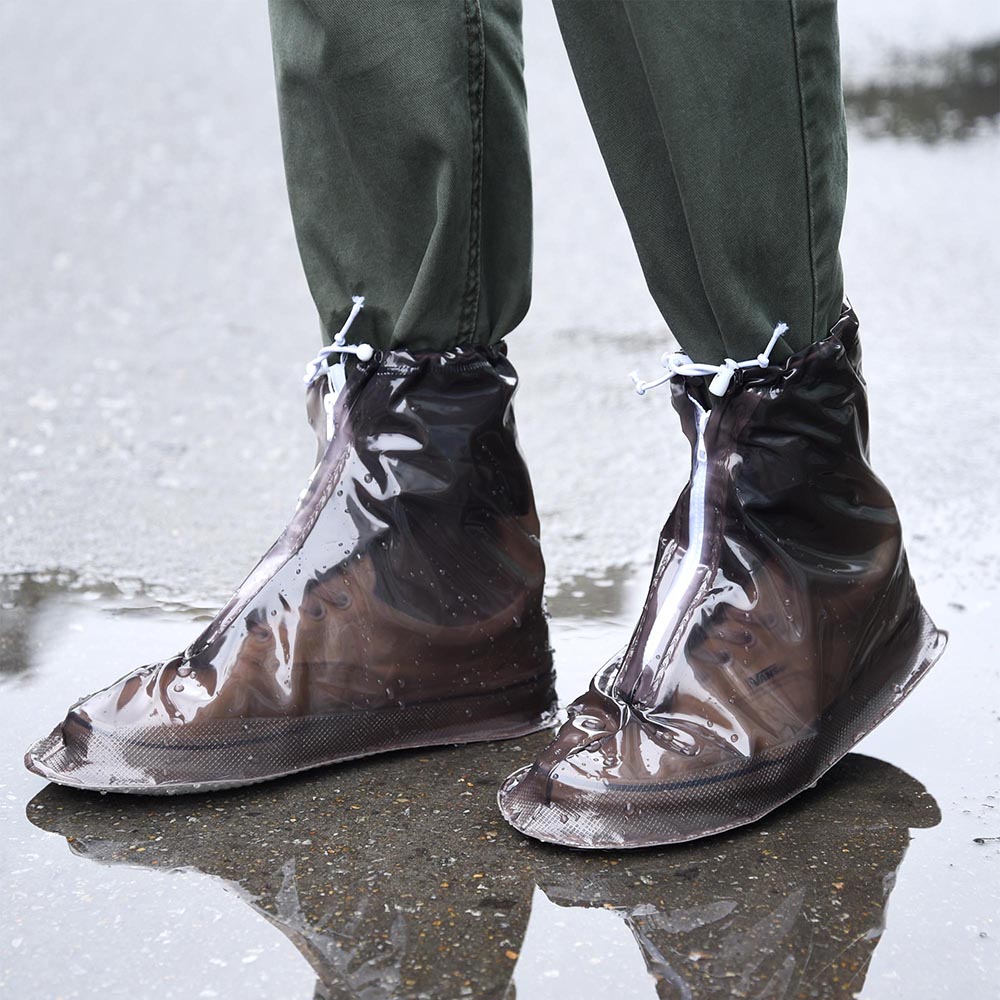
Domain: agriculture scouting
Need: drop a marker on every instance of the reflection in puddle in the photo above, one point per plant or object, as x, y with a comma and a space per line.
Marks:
594, 595
24, 598
396, 878
933, 96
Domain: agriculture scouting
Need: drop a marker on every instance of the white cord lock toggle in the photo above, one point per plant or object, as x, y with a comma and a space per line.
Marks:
719, 384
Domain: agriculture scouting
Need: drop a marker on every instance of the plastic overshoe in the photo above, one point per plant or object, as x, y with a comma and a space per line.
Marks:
780, 627
401, 607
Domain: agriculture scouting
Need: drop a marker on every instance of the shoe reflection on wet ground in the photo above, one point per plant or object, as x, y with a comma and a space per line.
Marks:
387, 891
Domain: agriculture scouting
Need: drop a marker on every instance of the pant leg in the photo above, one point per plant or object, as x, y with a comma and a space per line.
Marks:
404, 132
721, 123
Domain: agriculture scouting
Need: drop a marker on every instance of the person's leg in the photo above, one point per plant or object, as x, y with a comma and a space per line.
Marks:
722, 127
781, 623
405, 143
402, 605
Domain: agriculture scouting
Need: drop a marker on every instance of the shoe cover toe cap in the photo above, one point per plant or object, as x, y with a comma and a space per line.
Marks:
62, 754
620, 792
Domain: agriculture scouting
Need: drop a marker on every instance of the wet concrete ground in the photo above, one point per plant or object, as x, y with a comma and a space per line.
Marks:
153, 322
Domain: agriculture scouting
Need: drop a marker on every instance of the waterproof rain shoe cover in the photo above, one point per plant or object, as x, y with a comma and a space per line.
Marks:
401, 607
781, 624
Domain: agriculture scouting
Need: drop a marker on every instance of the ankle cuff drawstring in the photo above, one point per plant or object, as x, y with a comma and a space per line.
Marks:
336, 374
677, 363
320, 365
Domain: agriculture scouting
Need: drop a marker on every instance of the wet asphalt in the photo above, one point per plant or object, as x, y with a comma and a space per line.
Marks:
153, 325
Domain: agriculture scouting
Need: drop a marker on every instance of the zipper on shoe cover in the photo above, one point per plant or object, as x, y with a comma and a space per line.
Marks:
686, 581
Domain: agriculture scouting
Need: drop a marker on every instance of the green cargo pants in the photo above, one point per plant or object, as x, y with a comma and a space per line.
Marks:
406, 152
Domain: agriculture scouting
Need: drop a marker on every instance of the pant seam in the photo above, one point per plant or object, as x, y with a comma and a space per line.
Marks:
665, 138
807, 168
469, 315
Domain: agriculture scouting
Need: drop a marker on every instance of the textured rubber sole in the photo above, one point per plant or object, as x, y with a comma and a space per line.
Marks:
231, 753
715, 800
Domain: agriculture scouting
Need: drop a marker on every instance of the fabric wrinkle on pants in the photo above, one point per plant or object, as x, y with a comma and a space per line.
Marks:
405, 141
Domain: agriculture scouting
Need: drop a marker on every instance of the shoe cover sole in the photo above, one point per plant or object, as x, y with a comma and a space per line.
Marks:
231, 753
722, 798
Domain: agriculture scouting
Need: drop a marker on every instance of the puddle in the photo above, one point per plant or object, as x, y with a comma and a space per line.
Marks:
932, 96
395, 877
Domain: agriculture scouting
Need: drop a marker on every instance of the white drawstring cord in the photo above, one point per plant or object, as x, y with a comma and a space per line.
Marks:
320, 365
336, 374
681, 364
